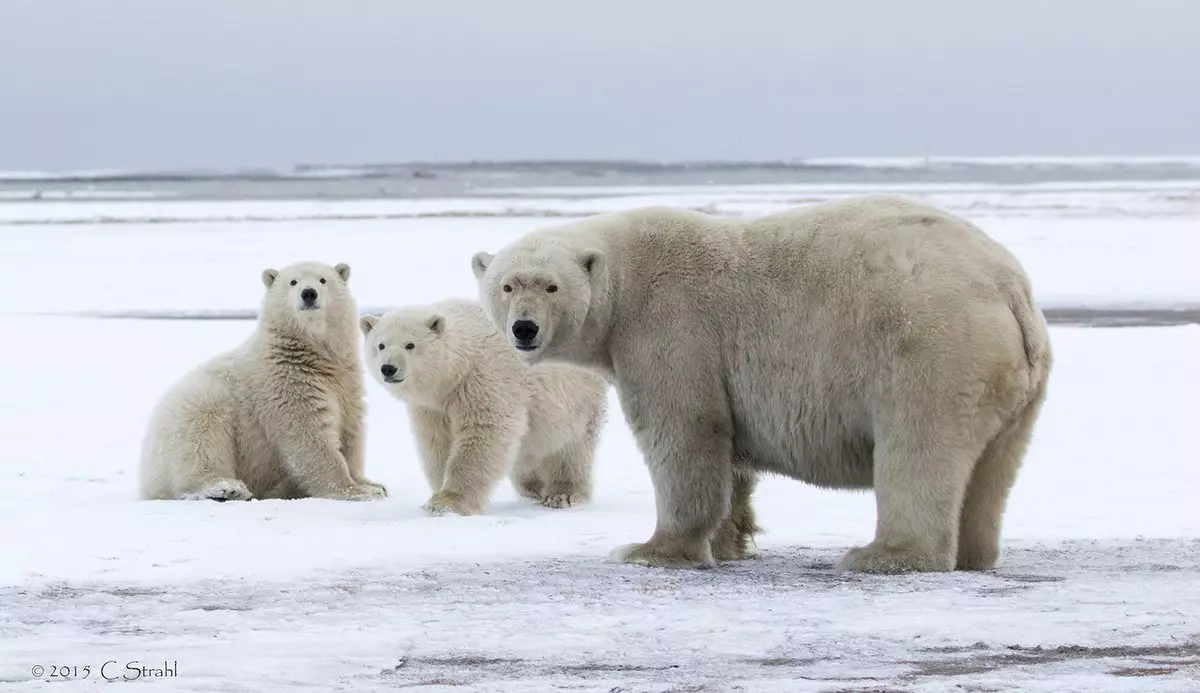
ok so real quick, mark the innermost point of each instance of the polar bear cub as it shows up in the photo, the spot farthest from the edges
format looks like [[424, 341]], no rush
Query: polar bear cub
[[478, 411], [281, 415]]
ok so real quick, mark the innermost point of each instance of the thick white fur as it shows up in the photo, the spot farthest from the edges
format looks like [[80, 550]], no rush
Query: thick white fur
[[280, 416], [870, 342], [478, 411]]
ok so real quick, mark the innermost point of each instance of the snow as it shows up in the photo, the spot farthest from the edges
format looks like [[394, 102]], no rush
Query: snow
[[1088, 199], [214, 266], [1099, 588]]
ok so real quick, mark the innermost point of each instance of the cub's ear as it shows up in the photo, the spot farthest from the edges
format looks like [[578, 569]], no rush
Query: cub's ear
[[269, 276], [592, 261], [480, 262], [436, 323], [367, 323], [343, 271]]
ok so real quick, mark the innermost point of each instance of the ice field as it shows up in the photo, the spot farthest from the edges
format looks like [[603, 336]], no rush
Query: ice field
[[1098, 589]]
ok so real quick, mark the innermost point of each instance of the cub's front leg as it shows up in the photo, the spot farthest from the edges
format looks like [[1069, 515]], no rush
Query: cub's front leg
[[354, 441], [431, 429], [482, 449], [311, 451]]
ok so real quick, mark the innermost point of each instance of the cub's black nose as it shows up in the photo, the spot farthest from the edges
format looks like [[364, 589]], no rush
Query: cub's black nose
[[308, 295], [524, 330], [388, 370]]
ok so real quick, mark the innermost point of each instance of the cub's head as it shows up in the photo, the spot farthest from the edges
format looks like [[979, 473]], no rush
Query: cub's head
[[406, 351], [309, 296], [540, 292]]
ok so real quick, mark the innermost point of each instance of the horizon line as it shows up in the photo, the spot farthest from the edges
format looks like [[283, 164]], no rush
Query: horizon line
[[915, 161]]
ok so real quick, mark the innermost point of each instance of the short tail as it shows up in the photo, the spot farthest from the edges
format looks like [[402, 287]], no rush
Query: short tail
[[1035, 335]]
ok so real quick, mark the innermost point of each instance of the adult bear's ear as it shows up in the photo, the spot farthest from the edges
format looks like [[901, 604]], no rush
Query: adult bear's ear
[[480, 262], [592, 261], [343, 271], [436, 323], [268, 277], [367, 323]]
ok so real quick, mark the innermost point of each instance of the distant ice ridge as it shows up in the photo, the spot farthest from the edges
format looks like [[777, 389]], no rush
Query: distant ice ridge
[[1005, 161], [311, 171], [34, 195], [1166, 198]]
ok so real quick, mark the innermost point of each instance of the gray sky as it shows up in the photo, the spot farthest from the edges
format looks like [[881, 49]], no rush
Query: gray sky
[[169, 83]]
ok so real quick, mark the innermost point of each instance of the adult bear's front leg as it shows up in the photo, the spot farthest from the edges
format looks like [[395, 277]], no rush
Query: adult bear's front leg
[[686, 438]]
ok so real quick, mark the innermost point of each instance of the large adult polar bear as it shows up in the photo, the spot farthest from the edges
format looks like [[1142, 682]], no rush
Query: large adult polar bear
[[872, 342], [280, 416]]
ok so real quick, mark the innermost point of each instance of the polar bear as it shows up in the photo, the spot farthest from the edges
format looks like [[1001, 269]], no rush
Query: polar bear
[[280, 416], [871, 342], [477, 411]]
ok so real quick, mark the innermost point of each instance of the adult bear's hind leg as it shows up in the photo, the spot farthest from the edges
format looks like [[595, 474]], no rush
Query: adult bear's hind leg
[[987, 492], [921, 474], [206, 466], [732, 540]]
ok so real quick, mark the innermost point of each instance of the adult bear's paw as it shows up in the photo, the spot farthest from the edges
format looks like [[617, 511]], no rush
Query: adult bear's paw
[[882, 558], [657, 554]]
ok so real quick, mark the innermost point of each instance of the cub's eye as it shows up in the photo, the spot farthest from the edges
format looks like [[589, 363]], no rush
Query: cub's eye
[[552, 288], [381, 347], [293, 282], [322, 280], [507, 289], [410, 346]]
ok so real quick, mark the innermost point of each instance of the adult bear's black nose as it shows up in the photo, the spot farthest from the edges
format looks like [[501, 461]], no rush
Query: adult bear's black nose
[[388, 370], [524, 330], [308, 295]]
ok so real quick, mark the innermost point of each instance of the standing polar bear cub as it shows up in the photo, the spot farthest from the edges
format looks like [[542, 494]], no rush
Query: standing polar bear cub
[[478, 411], [280, 416], [872, 342]]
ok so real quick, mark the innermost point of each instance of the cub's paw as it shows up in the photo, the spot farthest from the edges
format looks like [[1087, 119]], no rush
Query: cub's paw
[[360, 492], [369, 492], [881, 558], [222, 490], [367, 483], [529, 487], [664, 555], [444, 502], [563, 500]]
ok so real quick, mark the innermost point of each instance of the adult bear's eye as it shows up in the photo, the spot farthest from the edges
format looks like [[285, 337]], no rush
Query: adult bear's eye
[[381, 347], [410, 346], [507, 289], [552, 288], [322, 280], [293, 282]]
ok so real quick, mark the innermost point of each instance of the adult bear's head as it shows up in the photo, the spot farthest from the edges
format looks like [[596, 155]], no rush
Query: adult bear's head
[[548, 294]]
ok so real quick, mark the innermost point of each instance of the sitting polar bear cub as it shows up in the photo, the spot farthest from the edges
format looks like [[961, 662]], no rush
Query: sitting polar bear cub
[[868, 342], [281, 416], [477, 411]]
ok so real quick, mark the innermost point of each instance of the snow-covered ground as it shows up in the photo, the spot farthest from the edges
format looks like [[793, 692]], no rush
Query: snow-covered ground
[[1099, 589], [1096, 244]]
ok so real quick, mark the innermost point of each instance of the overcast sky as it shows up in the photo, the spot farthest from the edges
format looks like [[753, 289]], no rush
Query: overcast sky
[[185, 83]]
